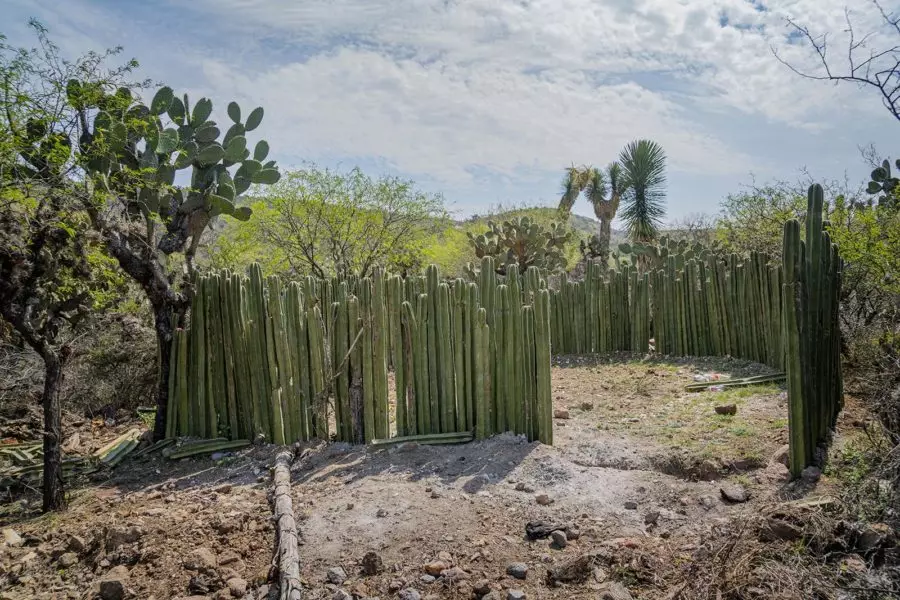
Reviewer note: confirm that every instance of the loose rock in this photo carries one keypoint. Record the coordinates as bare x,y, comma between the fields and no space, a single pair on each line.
613,591
543,499
381,513
518,570
237,587
118,536
734,492
726,409
434,568
336,575
427,579
454,573
560,413
782,455
201,559
342,595
515,595
68,559
12,538
483,586
708,502
811,474
372,564
631,505
559,539
651,518
572,533
410,594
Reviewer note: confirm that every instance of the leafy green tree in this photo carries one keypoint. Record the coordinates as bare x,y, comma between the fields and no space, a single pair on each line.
753,220
125,155
643,165
325,223
52,271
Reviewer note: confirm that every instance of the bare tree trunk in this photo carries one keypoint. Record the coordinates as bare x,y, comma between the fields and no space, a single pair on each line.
164,331
605,235
54,494
287,552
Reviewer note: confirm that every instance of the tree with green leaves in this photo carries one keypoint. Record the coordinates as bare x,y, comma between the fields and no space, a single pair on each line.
125,157
325,223
53,273
643,164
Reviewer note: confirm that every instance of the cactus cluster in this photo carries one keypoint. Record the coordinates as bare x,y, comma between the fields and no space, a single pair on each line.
522,242
885,183
265,358
651,257
810,306
136,149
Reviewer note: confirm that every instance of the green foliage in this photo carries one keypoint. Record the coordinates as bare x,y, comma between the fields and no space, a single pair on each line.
886,184
522,242
325,223
650,257
643,170
754,220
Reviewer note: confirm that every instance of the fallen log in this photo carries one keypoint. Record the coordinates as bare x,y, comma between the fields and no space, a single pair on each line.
287,553
455,437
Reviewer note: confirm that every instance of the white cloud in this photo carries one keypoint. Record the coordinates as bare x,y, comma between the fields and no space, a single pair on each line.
463,92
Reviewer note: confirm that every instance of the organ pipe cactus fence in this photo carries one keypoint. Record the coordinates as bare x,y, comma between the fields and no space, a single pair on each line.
780,312
311,359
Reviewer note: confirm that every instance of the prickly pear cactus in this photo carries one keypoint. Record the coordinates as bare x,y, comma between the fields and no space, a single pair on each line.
649,257
886,184
135,151
523,242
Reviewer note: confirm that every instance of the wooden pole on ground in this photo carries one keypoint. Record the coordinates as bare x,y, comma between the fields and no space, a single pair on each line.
287,553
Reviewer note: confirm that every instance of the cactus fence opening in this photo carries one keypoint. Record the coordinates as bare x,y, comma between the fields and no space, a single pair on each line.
312,358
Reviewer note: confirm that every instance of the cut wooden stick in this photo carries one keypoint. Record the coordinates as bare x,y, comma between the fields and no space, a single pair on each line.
206,448
287,553
746,381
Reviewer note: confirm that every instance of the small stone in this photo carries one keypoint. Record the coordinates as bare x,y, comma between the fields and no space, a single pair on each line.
350,506
811,474
491,596
631,505
12,538
427,579
520,487
543,499
482,587
76,544
118,536
708,501
612,590
560,413
341,595
68,559
410,594
782,455
445,556
237,587
382,513
586,406
435,567
518,570
372,564
573,533
336,575
201,559
726,409
112,590
734,492
435,494
395,586
559,539
651,518
684,501
454,573
515,595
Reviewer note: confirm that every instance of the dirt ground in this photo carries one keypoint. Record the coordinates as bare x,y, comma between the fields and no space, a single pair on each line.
635,477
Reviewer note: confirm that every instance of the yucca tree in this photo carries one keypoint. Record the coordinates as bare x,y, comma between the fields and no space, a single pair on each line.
643,172
603,189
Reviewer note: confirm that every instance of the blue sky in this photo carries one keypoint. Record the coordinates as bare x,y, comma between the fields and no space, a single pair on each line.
487,101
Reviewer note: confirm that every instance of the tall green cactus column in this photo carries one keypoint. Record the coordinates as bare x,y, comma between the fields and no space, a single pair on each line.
368,365
410,348
457,322
356,336
395,300
379,355
792,317
432,283
446,391
425,406
543,391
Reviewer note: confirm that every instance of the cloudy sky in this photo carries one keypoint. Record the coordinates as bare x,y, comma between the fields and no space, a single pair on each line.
487,101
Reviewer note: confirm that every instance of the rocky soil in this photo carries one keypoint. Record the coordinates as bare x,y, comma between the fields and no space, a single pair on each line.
641,478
